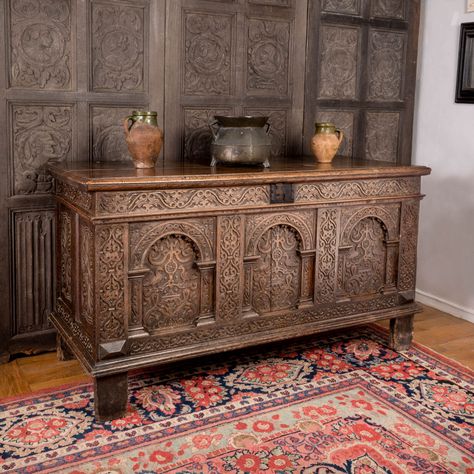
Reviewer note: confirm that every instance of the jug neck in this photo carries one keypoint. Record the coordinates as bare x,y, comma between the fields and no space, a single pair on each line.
145,116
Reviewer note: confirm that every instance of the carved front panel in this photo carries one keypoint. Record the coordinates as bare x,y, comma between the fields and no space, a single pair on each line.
348,7
388,9
41,53
386,59
208,54
118,62
41,135
409,235
339,62
268,56
345,122
382,136
65,263
86,264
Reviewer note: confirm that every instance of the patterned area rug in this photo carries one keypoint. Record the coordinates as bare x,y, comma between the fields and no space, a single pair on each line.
335,404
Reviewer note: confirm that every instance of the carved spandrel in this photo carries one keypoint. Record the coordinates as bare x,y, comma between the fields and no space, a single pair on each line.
41,135
339,62
345,122
347,7
208,54
409,235
41,44
197,135
33,270
386,59
118,62
388,9
382,136
268,56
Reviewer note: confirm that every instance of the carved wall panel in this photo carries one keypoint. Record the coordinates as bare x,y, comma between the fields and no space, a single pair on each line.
208,41
268,56
108,143
33,248
118,46
382,136
339,62
386,58
41,54
348,7
346,122
41,135
388,9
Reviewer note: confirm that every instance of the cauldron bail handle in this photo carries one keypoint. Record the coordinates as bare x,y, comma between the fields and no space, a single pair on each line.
268,128
126,125
214,131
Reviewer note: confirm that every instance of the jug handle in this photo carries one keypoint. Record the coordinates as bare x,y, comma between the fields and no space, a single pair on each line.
341,134
268,128
213,131
126,125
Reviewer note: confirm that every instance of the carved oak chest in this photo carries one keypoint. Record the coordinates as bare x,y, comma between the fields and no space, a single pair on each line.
181,261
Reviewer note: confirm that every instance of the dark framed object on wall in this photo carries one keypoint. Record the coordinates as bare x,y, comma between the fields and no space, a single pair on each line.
465,80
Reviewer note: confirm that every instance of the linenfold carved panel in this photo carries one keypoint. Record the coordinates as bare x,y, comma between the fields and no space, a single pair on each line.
118,62
41,135
348,7
382,136
339,62
386,59
409,235
345,122
388,9
41,44
268,56
208,54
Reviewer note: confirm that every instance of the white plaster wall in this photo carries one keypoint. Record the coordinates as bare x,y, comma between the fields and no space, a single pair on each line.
444,140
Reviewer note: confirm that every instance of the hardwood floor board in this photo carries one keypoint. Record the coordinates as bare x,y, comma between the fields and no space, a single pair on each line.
11,381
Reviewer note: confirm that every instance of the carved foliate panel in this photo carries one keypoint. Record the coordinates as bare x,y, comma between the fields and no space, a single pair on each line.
346,7
110,271
118,62
273,3
171,287
86,263
41,44
65,264
382,136
277,120
408,241
277,272
41,135
345,122
34,247
386,59
108,138
74,194
388,9
268,56
197,135
208,40
339,62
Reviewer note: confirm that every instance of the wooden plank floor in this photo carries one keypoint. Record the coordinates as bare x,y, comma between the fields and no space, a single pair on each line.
442,332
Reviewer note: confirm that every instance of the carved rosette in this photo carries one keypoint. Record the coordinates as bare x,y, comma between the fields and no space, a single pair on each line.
86,263
386,55
208,54
267,56
229,267
348,7
41,135
382,136
110,271
409,236
65,242
325,287
339,62
345,122
118,47
40,44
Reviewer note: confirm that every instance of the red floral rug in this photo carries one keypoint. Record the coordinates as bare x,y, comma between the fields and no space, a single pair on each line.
337,404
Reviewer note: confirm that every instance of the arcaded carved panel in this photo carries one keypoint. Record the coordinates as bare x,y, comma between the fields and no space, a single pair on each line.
382,136
325,286
342,190
41,135
408,241
388,9
108,138
268,57
277,120
208,40
139,202
197,135
229,267
345,122
40,44
117,41
65,265
277,272
171,287
339,62
33,269
86,263
386,60
346,7
110,262
74,195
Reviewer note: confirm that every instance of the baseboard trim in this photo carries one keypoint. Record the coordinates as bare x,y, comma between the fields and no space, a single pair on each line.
444,305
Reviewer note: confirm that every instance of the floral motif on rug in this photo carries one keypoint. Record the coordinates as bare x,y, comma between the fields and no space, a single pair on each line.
336,404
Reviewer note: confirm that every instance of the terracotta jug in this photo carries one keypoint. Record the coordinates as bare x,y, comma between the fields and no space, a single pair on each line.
326,142
144,138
